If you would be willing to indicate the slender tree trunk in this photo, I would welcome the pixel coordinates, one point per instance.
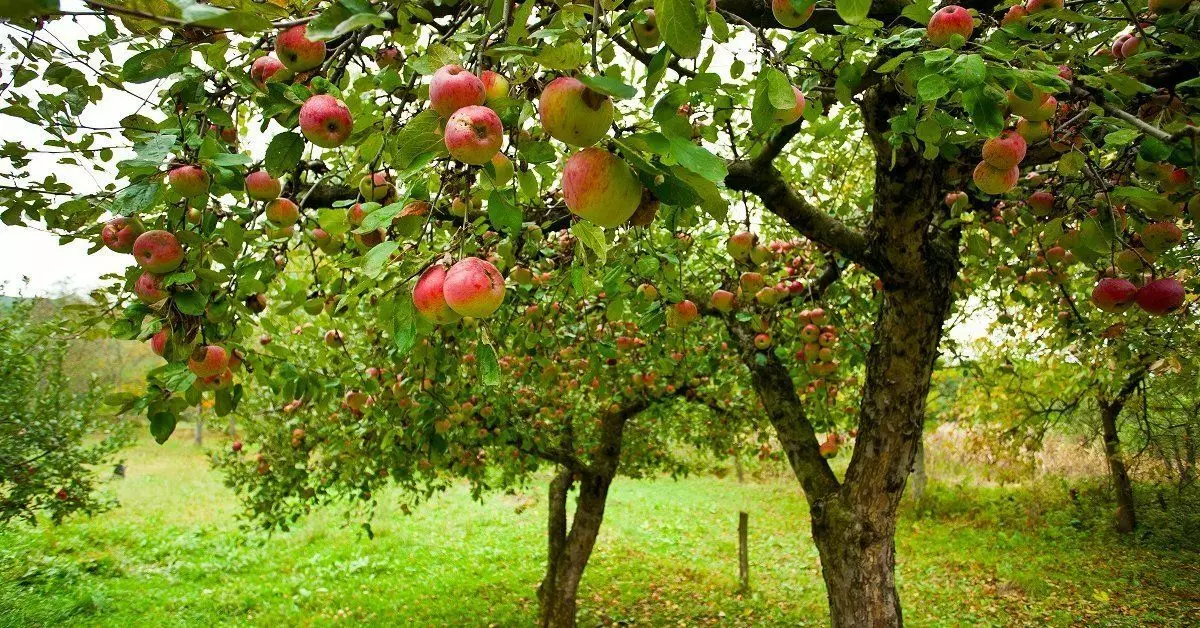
(569, 552)
(1110, 411)
(199, 432)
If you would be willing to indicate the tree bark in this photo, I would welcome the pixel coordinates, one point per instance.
(1110, 411)
(918, 474)
(569, 552)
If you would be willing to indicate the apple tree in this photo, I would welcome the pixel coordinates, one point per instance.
(408, 156)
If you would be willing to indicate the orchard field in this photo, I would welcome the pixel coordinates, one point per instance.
(970, 554)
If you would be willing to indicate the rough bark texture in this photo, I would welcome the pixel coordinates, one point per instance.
(1110, 411)
(917, 484)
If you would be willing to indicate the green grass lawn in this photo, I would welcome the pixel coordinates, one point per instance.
(174, 555)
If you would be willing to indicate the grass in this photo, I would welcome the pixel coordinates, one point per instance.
(173, 555)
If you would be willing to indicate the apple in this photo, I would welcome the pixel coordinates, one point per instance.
(429, 299)
(740, 244)
(600, 188)
(158, 342)
(1126, 46)
(375, 187)
(1014, 15)
(647, 292)
(991, 180)
(1041, 106)
(334, 338)
(452, 88)
(325, 121)
(1034, 132)
(188, 181)
(722, 301)
(387, 57)
(750, 282)
(261, 186)
(1113, 294)
(120, 233)
(645, 30)
(1005, 151)
(762, 342)
(1167, 6)
(786, 13)
(297, 52)
(768, 296)
(1160, 297)
(215, 382)
(503, 169)
(282, 212)
(158, 251)
(1134, 261)
(573, 113)
(949, 21)
(474, 135)
(236, 446)
(208, 360)
(788, 116)
(1034, 6)
(149, 288)
(684, 313)
(1161, 236)
(264, 68)
(1041, 203)
(495, 86)
(473, 287)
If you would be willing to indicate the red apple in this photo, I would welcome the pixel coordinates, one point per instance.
(120, 233)
(949, 21)
(429, 299)
(387, 57)
(473, 287)
(1160, 297)
(452, 88)
(1041, 203)
(261, 186)
(149, 288)
(158, 251)
(762, 341)
(600, 187)
(189, 181)
(325, 121)
(495, 86)
(722, 301)
(1113, 294)
(282, 212)
(788, 116)
(1005, 151)
(1014, 15)
(208, 360)
(786, 14)
(158, 342)
(264, 68)
(991, 180)
(474, 135)
(297, 51)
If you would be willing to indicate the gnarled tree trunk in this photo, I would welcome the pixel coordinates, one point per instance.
(1110, 411)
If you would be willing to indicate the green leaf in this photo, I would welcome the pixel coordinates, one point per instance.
(152, 64)
(418, 137)
(404, 323)
(136, 198)
(969, 71)
(489, 366)
(436, 56)
(779, 88)
(608, 85)
(932, 87)
(852, 11)
(503, 213)
(986, 107)
(162, 425)
(17, 9)
(333, 221)
(338, 20)
(592, 236)
(680, 25)
(698, 160)
(283, 153)
(210, 16)
(377, 258)
(190, 302)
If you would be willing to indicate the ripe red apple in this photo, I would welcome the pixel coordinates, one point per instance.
(949, 21)
(282, 212)
(786, 14)
(1113, 294)
(1041, 203)
(1161, 236)
(208, 360)
(474, 135)
(429, 299)
(158, 342)
(952, 198)
(788, 116)
(722, 301)
(600, 187)
(325, 121)
(261, 186)
(1126, 46)
(1014, 15)
(334, 338)
(236, 446)
(375, 187)
(1034, 6)
(149, 288)
(495, 86)
(762, 341)
(297, 51)
(1160, 297)
(387, 57)
(1005, 151)
(573, 113)
(158, 251)
(120, 233)
(645, 30)
(189, 181)
(452, 88)
(991, 180)
(473, 287)
(684, 313)
(740, 245)
(264, 68)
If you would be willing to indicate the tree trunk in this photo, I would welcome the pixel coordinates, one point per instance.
(918, 473)
(1110, 410)
(569, 552)
(199, 432)
(858, 564)
(1126, 513)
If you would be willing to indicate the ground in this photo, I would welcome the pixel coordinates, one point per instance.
(173, 555)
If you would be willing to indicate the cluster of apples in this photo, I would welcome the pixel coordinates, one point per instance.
(745, 249)
(473, 133)
(472, 287)
(324, 120)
